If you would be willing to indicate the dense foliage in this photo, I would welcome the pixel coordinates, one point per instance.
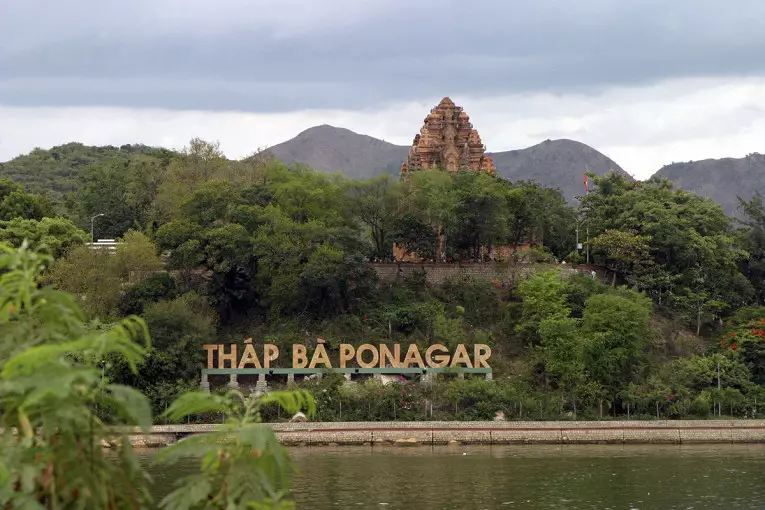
(63, 411)
(57, 170)
(217, 251)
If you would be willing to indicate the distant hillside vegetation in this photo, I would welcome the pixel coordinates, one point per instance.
(58, 169)
(722, 180)
(554, 163)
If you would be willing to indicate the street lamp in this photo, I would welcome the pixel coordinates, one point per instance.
(92, 240)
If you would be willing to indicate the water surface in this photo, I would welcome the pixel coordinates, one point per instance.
(529, 477)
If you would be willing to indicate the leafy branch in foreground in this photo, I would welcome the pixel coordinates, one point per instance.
(243, 465)
(50, 387)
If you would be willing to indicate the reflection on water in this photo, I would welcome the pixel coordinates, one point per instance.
(529, 477)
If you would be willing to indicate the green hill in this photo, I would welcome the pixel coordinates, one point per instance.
(56, 171)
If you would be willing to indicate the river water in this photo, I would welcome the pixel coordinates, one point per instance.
(530, 477)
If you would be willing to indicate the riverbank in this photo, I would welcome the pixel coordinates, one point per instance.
(510, 432)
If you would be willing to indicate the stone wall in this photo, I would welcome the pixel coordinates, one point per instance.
(510, 432)
(438, 273)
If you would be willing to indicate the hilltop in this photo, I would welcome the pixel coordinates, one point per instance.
(57, 170)
(554, 163)
(722, 180)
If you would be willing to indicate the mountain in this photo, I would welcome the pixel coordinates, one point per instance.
(332, 149)
(554, 163)
(722, 180)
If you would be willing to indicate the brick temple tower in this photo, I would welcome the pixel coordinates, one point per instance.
(448, 141)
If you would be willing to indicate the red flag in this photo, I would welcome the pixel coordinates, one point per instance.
(586, 184)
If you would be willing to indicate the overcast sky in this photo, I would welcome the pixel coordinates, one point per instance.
(646, 82)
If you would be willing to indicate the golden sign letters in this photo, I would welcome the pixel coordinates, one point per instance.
(363, 356)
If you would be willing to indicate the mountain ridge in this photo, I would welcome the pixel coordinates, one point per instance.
(722, 180)
(556, 163)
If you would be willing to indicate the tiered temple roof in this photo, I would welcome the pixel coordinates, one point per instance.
(448, 141)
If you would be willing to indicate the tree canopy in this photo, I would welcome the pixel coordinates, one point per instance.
(214, 250)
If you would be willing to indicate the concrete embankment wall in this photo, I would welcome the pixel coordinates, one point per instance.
(520, 432)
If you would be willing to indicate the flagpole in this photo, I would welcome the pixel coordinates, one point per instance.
(587, 192)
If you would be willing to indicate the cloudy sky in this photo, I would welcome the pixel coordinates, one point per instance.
(646, 82)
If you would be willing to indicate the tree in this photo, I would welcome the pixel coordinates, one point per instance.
(428, 196)
(56, 459)
(615, 328)
(178, 328)
(624, 253)
(85, 273)
(374, 203)
(479, 214)
(153, 288)
(415, 236)
(543, 297)
(135, 257)
(211, 204)
(16, 203)
(562, 352)
(97, 277)
(745, 341)
(752, 238)
(197, 163)
(54, 236)
(42, 332)
(229, 253)
(123, 190)
(687, 235)
(183, 240)
(332, 282)
(307, 267)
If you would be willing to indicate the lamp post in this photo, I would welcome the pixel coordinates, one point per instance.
(92, 220)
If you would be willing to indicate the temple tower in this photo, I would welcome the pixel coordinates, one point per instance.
(447, 140)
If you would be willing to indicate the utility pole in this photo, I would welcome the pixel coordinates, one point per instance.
(92, 220)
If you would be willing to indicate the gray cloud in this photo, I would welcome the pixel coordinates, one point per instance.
(287, 55)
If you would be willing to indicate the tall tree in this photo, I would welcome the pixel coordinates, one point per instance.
(197, 163)
(690, 239)
(98, 277)
(479, 217)
(374, 203)
(752, 237)
(624, 253)
(17, 203)
(54, 236)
